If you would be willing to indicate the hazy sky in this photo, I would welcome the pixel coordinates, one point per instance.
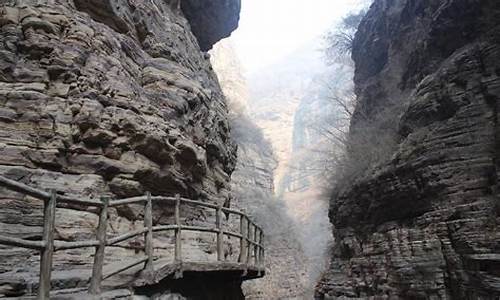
(270, 29)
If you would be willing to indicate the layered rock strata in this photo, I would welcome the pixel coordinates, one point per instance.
(109, 98)
(424, 224)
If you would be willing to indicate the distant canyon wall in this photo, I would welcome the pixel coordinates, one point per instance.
(253, 189)
(288, 103)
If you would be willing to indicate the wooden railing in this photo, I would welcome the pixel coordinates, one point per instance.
(250, 235)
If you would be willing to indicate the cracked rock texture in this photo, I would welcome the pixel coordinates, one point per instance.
(109, 97)
(425, 224)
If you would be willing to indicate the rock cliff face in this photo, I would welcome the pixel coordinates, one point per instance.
(424, 225)
(211, 20)
(108, 97)
(253, 190)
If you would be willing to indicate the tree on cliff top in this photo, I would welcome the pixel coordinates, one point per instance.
(340, 39)
(353, 150)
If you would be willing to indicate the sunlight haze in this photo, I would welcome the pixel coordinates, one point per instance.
(271, 29)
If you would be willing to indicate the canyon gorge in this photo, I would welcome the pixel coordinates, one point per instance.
(118, 99)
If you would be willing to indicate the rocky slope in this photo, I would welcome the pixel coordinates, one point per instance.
(424, 224)
(110, 98)
(253, 189)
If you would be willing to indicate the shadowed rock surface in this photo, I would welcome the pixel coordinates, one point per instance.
(109, 97)
(211, 20)
(424, 224)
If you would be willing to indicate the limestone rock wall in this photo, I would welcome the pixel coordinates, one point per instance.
(107, 97)
(424, 225)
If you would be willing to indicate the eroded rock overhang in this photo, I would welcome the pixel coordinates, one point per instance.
(212, 20)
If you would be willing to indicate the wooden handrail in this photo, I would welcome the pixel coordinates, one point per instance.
(82, 204)
(251, 236)
(199, 229)
(198, 203)
(125, 267)
(127, 201)
(158, 228)
(143, 199)
(15, 242)
(42, 195)
(126, 236)
(61, 245)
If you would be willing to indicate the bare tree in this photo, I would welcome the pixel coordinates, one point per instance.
(339, 41)
(343, 153)
(344, 150)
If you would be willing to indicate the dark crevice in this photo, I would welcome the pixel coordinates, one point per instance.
(196, 286)
(106, 12)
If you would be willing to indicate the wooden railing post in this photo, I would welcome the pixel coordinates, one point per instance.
(148, 237)
(49, 217)
(220, 233)
(258, 239)
(256, 246)
(249, 244)
(95, 281)
(243, 241)
(261, 242)
(178, 237)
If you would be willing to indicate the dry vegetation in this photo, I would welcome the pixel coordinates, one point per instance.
(355, 140)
